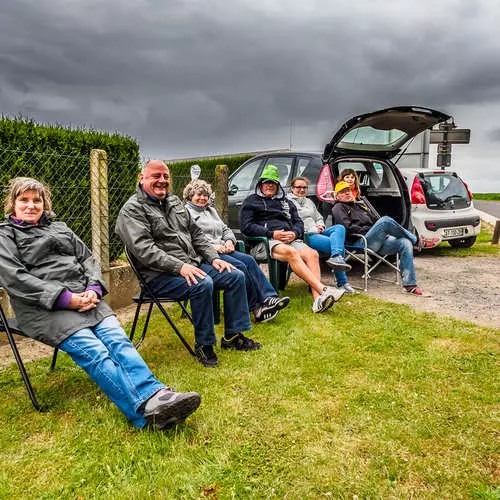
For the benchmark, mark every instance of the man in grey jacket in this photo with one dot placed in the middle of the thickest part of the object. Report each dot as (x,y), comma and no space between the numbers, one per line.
(178,261)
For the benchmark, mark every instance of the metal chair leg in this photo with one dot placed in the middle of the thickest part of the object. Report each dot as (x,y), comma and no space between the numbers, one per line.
(54,359)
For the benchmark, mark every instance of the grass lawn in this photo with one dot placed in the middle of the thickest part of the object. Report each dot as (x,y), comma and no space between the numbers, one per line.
(487,196)
(369,400)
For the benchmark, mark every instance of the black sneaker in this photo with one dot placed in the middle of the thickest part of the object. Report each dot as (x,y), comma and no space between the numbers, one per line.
(240,343)
(265,313)
(206,355)
(278,302)
(167,407)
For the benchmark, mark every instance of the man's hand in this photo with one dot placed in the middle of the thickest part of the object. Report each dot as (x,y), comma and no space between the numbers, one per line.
(222,265)
(190,273)
(284,236)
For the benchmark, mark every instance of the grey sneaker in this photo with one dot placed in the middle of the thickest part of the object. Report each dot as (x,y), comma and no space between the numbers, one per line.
(167,407)
(349,290)
(337,263)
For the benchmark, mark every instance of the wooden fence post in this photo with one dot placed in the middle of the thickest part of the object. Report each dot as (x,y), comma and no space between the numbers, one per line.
(496,233)
(100,210)
(220,189)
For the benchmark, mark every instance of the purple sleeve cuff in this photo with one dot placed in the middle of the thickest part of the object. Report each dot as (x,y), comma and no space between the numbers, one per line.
(97,289)
(63,299)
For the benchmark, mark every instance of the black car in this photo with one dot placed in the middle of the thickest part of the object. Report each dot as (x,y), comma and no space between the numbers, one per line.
(243,181)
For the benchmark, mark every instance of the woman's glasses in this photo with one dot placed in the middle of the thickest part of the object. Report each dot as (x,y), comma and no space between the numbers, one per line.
(299,187)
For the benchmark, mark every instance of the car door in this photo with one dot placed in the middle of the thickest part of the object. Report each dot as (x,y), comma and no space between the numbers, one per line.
(242,184)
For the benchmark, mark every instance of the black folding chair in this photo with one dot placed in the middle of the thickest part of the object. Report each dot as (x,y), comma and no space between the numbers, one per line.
(146,296)
(9,326)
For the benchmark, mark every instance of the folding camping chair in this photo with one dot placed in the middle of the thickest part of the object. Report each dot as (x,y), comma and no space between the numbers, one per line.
(146,296)
(9,326)
(370,260)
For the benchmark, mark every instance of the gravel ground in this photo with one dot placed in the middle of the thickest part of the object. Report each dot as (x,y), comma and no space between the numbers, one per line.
(465,288)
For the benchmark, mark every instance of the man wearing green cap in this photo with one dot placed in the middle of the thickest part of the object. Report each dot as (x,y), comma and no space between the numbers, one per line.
(268,212)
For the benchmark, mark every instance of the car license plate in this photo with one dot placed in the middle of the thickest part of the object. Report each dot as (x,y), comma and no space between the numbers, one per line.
(456,231)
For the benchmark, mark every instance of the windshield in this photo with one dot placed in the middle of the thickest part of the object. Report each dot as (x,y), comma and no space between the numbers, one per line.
(444,191)
(381,140)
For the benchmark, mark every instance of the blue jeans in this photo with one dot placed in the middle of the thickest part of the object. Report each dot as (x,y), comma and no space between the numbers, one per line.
(387,237)
(113,363)
(236,315)
(257,285)
(331,242)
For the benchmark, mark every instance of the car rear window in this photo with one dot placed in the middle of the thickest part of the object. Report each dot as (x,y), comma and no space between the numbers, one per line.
(444,191)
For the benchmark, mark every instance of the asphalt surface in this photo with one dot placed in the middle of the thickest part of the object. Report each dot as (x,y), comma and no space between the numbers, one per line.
(490,207)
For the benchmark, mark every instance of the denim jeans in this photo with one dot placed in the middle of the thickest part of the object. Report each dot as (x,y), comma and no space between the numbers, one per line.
(331,242)
(257,285)
(236,315)
(113,363)
(387,237)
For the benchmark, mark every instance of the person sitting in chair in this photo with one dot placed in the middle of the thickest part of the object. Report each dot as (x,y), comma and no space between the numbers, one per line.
(270,213)
(328,240)
(178,261)
(383,236)
(55,287)
(262,297)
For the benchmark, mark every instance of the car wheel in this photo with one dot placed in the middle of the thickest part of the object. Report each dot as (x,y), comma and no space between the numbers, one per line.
(463,242)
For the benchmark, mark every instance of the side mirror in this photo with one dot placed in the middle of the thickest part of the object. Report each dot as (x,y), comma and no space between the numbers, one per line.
(232,190)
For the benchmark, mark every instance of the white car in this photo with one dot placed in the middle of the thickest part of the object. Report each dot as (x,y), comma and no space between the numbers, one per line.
(435,204)
(441,207)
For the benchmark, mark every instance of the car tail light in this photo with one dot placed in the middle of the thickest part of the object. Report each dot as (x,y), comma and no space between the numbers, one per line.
(325,185)
(417,193)
(468,190)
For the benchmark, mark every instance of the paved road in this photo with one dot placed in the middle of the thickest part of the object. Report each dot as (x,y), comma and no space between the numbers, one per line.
(490,207)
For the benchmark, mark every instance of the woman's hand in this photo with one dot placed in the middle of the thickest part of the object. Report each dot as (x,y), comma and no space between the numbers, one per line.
(84,301)
(220,248)
(320,228)
(229,246)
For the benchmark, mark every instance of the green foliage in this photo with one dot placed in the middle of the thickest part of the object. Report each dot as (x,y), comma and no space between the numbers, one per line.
(487,196)
(60,157)
(181,171)
(369,400)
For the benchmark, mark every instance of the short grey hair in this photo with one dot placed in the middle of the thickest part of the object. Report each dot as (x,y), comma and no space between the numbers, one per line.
(20,185)
(195,187)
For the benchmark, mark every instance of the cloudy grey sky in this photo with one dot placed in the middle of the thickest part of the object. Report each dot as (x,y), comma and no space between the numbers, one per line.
(202,77)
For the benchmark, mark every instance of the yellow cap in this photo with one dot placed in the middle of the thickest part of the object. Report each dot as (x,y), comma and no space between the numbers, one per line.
(340,186)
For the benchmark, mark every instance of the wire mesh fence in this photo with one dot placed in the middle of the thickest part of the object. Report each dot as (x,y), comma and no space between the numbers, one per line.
(68,176)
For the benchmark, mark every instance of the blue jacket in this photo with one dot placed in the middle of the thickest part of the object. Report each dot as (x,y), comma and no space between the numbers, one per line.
(261,216)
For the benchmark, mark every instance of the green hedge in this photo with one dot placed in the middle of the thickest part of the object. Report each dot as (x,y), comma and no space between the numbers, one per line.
(60,157)
(181,171)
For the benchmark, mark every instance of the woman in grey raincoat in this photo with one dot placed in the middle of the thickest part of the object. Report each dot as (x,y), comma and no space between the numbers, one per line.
(55,287)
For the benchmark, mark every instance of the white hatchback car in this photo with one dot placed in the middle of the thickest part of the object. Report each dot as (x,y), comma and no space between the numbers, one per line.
(441,207)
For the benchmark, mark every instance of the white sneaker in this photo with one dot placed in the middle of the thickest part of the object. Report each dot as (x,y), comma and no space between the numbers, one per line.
(323,302)
(349,290)
(335,292)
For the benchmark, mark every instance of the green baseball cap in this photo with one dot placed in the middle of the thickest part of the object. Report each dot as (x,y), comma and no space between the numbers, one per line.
(270,173)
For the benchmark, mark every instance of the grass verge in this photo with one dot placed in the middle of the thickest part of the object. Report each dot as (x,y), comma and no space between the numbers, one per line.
(369,400)
(487,196)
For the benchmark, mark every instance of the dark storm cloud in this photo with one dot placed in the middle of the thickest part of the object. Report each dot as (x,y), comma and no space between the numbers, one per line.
(188,77)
